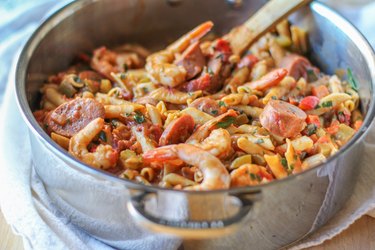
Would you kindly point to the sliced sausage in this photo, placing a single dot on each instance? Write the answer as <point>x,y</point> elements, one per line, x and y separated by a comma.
<point>297,66</point>
<point>269,80</point>
<point>206,105</point>
<point>70,117</point>
<point>282,118</point>
<point>192,60</point>
<point>177,131</point>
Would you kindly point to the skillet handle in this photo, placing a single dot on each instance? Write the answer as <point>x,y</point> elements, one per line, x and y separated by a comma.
<point>187,228</point>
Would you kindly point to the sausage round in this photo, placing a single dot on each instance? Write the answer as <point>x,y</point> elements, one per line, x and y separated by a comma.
<point>192,60</point>
<point>206,105</point>
<point>70,117</point>
<point>296,65</point>
<point>177,131</point>
<point>282,118</point>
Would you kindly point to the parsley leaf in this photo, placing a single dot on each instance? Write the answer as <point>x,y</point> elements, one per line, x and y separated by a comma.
<point>311,129</point>
<point>103,136</point>
<point>327,104</point>
<point>222,104</point>
<point>351,80</point>
<point>284,163</point>
<point>214,112</point>
<point>139,118</point>
<point>226,122</point>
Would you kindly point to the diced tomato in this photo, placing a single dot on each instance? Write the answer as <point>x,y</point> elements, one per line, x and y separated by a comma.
<point>333,128</point>
<point>223,46</point>
<point>320,91</point>
<point>309,102</point>
<point>248,61</point>
<point>357,124</point>
<point>313,119</point>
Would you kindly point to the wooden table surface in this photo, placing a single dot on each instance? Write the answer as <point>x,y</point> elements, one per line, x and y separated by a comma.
<point>360,235</point>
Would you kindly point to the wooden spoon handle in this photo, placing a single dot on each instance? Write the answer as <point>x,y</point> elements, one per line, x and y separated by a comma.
<point>261,22</point>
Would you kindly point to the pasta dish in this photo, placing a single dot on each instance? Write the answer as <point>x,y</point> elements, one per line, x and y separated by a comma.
<point>199,116</point>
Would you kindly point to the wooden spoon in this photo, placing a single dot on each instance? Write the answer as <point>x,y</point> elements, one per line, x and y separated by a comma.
<point>242,37</point>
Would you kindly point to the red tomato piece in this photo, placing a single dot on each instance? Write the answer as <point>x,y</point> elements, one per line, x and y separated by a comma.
<point>223,46</point>
<point>313,119</point>
<point>309,102</point>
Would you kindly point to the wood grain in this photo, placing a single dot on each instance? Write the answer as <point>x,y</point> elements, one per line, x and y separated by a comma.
<point>359,236</point>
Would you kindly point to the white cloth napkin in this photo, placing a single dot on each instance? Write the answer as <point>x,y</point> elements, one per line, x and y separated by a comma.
<point>29,210</point>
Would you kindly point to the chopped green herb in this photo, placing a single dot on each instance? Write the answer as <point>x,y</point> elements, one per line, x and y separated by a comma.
<point>259,178</point>
<point>259,141</point>
<point>311,75</point>
<point>327,104</point>
<point>77,79</point>
<point>273,97</point>
<point>123,76</point>
<point>190,94</point>
<point>125,67</point>
<point>284,163</point>
<point>214,112</point>
<point>222,104</point>
<point>351,80</point>
<point>311,129</point>
<point>317,107</point>
<point>127,114</point>
<point>45,125</point>
<point>253,176</point>
<point>226,122</point>
<point>291,167</point>
<point>220,56</point>
<point>103,136</point>
<point>210,71</point>
<point>139,118</point>
<point>145,89</point>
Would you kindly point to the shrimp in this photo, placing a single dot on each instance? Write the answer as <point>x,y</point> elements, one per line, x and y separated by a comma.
<point>160,64</point>
<point>205,130</point>
<point>218,143</point>
<point>249,175</point>
<point>104,156</point>
<point>106,61</point>
<point>215,175</point>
